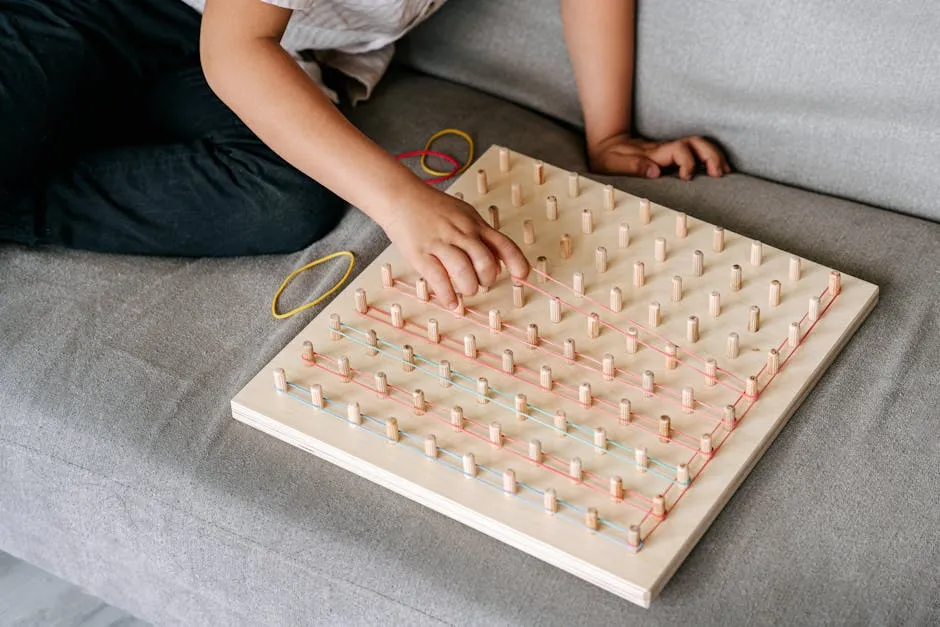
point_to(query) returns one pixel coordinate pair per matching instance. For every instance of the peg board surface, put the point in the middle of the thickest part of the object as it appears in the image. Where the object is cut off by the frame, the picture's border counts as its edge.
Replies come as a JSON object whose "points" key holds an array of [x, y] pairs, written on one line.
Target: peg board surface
{"points": [[633, 551]]}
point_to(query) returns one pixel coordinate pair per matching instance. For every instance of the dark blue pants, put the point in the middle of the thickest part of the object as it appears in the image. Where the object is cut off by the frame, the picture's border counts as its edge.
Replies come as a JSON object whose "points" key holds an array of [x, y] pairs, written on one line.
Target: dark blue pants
{"points": [[111, 140]]}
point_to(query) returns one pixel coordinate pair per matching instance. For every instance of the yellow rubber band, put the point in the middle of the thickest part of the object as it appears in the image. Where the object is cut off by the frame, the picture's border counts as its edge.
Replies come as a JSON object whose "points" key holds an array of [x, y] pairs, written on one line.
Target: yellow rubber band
{"points": [[433, 138], [319, 299]]}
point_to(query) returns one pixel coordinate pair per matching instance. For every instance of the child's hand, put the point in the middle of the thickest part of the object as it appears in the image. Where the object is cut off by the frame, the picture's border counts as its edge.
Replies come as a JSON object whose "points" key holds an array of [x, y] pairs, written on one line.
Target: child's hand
{"points": [[622, 154], [450, 245]]}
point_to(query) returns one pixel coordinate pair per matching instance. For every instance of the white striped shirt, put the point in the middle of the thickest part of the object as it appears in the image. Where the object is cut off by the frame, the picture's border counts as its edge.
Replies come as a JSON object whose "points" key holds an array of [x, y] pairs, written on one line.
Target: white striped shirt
{"points": [[356, 37]]}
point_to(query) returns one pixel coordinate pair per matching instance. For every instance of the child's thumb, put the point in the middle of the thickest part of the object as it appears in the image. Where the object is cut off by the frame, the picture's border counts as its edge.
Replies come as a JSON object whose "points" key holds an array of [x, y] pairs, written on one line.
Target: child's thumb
{"points": [[636, 165]]}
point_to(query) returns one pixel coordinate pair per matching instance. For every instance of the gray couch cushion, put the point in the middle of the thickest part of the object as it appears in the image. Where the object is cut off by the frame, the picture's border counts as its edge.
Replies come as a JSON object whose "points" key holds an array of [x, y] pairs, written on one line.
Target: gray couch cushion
{"points": [[121, 469], [837, 97]]}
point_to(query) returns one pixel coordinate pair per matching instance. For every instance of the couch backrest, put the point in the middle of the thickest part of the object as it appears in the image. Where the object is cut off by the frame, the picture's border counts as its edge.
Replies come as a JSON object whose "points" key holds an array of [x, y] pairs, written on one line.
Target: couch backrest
{"points": [[841, 97]]}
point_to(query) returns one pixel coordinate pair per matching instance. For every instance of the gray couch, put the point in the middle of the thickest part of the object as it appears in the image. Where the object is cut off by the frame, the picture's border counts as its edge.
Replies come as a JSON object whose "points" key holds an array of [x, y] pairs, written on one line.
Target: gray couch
{"points": [[121, 469]]}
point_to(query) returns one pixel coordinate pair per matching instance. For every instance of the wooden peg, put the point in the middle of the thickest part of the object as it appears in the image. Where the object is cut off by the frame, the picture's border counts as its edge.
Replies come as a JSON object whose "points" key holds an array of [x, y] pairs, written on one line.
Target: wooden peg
{"points": [[774, 294], [541, 264], [737, 278], [609, 197], [585, 397], [569, 349], [496, 321], [607, 367], [460, 309], [469, 465], [698, 263], [509, 481], [496, 434], [395, 313], [655, 314], [391, 430], [561, 423], [671, 351], [550, 501], [538, 172], [794, 335], [688, 399], [756, 253], [676, 288], [587, 222], [623, 236], [632, 338], [434, 332], [616, 299], [626, 411], [444, 373], [280, 380], [316, 396], [482, 187], [528, 232], [335, 325], [551, 208], [345, 371], [682, 225], [532, 334], [521, 404], [646, 212], [600, 259], [575, 469], [639, 274], [711, 372], [682, 474], [545, 377], [535, 451], [691, 329], [593, 326], [418, 403], [574, 185], [408, 358], [354, 413], [508, 361], [616, 489], [456, 418], [659, 249], [835, 283], [470, 346], [750, 386], [483, 391], [795, 269], [714, 304], [430, 446], [773, 361], [718, 239], [565, 244], [733, 349], [372, 339], [659, 506], [649, 383], [600, 440], [554, 310], [493, 211], [641, 459], [577, 283], [307, 353], [591, 520], [422, 291], [813, 313], [753, 319], [516, 194], [728, 416], [381, 384], [388, 280], [705, 444], [633, 536], [503, 160], [362, 303]]}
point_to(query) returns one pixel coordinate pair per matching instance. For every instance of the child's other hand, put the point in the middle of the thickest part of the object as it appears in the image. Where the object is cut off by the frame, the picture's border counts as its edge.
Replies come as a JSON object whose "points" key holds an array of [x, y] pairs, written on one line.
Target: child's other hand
{"points": [[622, 154], [450, 244]]}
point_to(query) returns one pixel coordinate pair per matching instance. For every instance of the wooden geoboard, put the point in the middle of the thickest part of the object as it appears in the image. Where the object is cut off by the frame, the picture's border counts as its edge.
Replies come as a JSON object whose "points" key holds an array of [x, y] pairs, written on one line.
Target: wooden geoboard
{"points": [[598, 414]]}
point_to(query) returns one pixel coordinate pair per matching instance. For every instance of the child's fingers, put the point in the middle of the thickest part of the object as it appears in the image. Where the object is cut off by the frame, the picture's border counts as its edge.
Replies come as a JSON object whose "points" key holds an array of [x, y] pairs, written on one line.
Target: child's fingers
{"points": [[507, 250], [682, 156], [633, 165], [460, 268], [709, 154], [483, 259], [434, 273]]}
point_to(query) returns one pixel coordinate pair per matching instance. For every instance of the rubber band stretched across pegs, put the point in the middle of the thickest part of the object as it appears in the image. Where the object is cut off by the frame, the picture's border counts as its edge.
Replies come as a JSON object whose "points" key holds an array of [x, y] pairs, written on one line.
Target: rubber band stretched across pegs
{"points": [[432, 153], [433, 138], [319, 299]]}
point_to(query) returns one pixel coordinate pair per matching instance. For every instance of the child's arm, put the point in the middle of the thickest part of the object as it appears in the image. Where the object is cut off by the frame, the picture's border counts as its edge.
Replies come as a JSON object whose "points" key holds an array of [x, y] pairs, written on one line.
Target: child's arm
{"points": [[443, 238], [600, 38]]}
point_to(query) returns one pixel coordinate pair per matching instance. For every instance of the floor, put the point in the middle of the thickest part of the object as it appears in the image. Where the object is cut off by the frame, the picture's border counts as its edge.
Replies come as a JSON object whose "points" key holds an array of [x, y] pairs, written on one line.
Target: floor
{"points": [[32, 597]]}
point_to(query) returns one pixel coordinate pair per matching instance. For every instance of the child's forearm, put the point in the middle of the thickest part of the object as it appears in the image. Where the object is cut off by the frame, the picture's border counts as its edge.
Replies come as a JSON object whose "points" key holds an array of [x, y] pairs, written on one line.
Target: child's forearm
{"points": [[600, 39], [266, 88]]}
